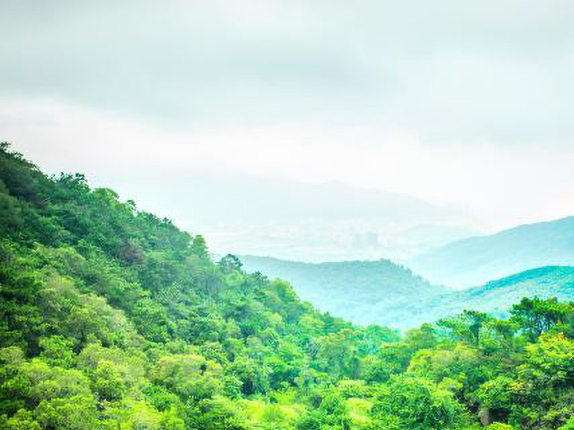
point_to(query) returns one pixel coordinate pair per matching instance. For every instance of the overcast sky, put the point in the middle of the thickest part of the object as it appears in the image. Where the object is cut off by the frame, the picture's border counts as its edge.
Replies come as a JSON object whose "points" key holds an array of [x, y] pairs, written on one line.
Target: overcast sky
{"points": [[461, 103]]}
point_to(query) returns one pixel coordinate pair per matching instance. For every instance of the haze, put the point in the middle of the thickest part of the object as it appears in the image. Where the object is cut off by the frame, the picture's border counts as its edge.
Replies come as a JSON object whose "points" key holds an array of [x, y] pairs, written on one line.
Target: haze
{"points": [[257, 110]]}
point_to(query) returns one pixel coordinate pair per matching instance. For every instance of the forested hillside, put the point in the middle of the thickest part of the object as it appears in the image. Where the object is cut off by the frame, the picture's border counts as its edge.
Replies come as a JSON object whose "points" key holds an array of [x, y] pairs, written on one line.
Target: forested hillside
{"points": [[347, 288], [382, 292], [474, 261], [112, 318]]}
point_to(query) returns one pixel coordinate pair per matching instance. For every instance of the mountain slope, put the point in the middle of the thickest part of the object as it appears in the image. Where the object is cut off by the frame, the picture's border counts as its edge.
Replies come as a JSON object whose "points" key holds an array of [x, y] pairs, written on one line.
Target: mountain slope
{"points": [[494, 297], [111, 318], [345, 288], [476, 260]]}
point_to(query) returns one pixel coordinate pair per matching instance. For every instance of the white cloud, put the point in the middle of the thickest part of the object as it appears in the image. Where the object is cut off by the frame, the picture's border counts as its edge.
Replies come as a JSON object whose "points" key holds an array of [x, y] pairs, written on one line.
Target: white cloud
{"points": [[451, 71], [504, 185]]}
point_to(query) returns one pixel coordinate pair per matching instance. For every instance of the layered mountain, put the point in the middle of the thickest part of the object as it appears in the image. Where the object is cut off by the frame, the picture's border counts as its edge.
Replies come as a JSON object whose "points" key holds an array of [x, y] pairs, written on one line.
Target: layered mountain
{"points": [[349, 288], [476, 260], [495, 297], [386, 293]]}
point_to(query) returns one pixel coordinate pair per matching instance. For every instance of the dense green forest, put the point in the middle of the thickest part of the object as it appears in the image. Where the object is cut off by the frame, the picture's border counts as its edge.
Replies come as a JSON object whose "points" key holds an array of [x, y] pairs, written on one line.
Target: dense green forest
{"points": [[363, 292], [112, 318]]}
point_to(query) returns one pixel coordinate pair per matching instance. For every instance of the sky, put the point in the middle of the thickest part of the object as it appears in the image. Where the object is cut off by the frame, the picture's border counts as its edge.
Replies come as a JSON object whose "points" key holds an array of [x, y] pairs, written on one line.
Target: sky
{"points": [[466, 105]]}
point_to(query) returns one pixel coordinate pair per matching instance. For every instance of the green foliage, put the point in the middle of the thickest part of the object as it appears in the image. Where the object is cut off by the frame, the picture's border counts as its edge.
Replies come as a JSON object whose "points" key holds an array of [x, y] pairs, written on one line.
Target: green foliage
{"points": [[58, 351], [537, 316], [188, 375], [416, 403], [107, 382]]}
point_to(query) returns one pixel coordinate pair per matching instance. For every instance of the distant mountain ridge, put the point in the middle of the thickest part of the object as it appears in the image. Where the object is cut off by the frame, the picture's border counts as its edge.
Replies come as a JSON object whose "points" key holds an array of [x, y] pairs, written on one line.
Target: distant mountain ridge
{"points": [[476, 260], [495, 297], [345, 288], [386, 293]]}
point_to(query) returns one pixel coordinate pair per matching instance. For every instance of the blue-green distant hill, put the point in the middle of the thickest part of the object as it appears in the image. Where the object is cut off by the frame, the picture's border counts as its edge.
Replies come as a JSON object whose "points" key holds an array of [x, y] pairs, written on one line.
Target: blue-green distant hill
{"points": [[476, 260], [495, 297], [346, 288], [389, 294]]}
